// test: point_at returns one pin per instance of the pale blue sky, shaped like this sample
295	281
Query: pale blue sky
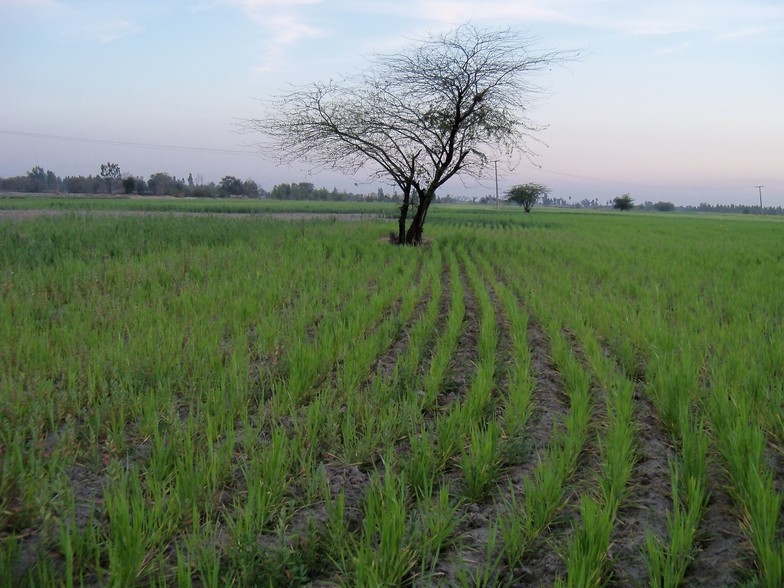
679	100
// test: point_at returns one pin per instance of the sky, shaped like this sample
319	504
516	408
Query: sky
669	100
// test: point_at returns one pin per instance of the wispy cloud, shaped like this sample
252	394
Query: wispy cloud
661	18
451	12
748	31
634	18
114	29
673	49
644	27
261	10
458	11
284	24
16	4
669	17
83	20
14	10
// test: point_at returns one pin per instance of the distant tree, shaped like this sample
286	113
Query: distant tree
304	190
526	195
37	173
36	180
281	191
190	180
141	186
250	189
162	184
53	183
129	184
230	186
623	202
77	184
448	106
111	174
202	190
664	206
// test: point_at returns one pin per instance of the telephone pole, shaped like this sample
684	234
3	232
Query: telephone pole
760	193
496	184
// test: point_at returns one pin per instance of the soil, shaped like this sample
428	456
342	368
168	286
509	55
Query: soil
722	548
723	552
649	495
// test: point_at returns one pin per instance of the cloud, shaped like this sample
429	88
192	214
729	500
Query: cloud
25	9
288	29
673	49
281	18
16	4
746	32
285	30
104	24
459	11
288	22
635	18
284	24
648	27
668	17
662	18
114	29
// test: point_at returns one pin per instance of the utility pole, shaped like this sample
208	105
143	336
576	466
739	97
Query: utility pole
760	193
496	184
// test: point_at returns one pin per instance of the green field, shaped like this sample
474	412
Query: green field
9	202
559	398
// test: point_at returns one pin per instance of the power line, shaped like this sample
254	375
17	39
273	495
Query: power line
640	185
127	143
157	146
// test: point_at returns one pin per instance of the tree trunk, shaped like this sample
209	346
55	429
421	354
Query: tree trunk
401	223
414	234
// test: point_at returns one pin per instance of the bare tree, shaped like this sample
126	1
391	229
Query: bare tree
446	107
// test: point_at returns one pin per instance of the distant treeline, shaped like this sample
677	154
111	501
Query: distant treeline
734	208
111	181
670	207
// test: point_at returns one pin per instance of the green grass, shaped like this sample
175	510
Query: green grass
194	205
213	400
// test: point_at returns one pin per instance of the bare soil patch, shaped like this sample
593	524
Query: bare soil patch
462	366
647	500
724	551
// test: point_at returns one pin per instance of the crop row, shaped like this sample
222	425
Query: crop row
211	401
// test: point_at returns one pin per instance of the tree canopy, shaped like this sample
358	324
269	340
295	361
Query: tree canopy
526	195
448	106
623	202
111	174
